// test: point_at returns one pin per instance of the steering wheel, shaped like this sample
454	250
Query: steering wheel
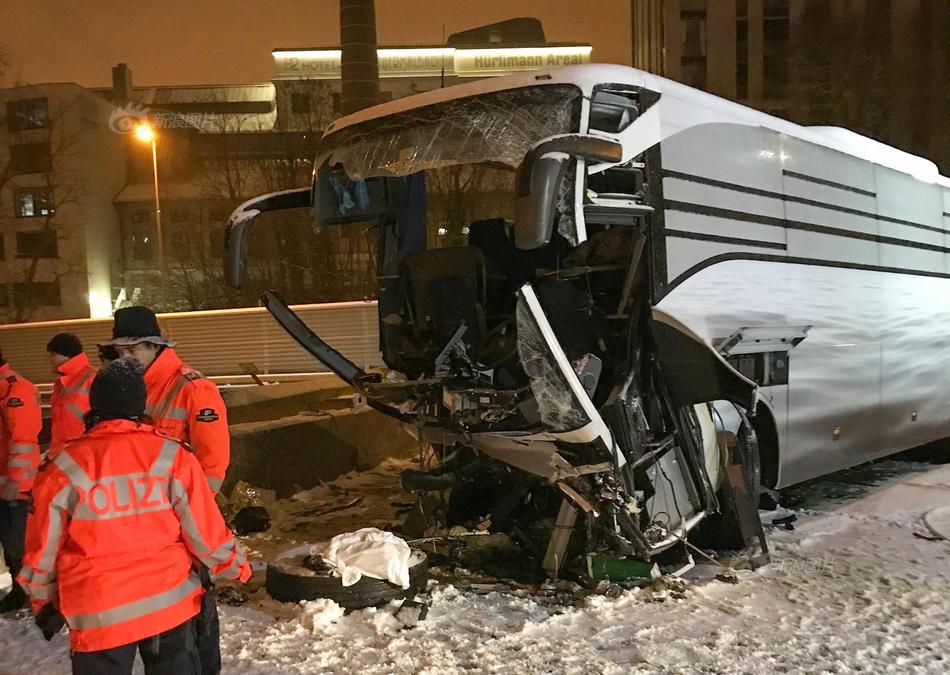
500	344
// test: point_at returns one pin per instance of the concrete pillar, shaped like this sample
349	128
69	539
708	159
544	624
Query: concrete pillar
672	39
721	48
646	35
754	21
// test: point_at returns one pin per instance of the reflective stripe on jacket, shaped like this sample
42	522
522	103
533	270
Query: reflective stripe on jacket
183	404
70	401
118	517
20	424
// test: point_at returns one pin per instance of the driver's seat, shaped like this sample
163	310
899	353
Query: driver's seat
444	287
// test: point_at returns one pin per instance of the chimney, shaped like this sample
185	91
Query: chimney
359	68
121	84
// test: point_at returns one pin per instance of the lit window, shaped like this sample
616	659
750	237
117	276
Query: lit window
33	202
31	113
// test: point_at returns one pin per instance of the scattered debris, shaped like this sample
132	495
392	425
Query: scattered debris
228	595
324	510
411	612
785	521
619	569
937	521
250	519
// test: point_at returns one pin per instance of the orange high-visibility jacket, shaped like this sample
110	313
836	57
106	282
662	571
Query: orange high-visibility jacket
183	404
118	517
20	424
70	401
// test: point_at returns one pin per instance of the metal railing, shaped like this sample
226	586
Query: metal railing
216	342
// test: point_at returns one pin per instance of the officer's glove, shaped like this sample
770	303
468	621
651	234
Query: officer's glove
50	620
11	492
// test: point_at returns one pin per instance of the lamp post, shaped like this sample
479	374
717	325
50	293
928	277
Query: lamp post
146	134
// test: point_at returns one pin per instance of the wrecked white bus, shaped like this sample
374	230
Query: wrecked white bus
653	284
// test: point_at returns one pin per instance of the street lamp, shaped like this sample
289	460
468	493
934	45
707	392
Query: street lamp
146	134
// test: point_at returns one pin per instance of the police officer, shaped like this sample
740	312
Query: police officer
69	402
120	519
185	405
20	424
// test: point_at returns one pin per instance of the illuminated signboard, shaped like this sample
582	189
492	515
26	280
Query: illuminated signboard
324	64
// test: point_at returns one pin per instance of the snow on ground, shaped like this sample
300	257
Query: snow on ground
851	589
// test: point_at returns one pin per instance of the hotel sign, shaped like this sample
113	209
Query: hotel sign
324	64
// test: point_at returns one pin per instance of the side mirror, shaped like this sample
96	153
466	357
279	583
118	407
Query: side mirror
239	224
539	179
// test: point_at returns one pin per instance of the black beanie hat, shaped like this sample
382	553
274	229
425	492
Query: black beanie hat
137	324
65	344
118	391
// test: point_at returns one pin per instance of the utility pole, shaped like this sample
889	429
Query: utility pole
358	64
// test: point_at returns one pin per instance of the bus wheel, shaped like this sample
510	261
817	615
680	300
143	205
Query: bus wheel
721	530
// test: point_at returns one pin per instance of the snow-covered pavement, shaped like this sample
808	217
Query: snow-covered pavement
850	589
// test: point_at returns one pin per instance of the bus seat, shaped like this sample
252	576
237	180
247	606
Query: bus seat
444	287
491	237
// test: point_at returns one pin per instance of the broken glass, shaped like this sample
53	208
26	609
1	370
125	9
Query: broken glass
496	128
558	408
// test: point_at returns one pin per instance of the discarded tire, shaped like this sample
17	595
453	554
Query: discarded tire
290	581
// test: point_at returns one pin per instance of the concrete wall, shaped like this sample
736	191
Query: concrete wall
299	452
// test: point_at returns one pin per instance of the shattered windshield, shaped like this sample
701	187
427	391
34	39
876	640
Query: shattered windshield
557	406
496	128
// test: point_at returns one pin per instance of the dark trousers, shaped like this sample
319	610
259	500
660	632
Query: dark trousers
209	629
13	534
174	652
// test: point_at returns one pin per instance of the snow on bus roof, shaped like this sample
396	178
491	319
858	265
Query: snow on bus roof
717	109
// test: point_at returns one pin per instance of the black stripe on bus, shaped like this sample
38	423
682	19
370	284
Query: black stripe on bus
829	183
815	262
729	214
800	200
719	239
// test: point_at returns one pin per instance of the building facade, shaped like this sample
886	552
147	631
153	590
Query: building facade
61	166
878	67
220	145
80	233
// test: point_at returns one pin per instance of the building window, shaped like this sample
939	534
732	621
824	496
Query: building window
30	113
30	158
180	245
37	293
775	55
140	216
693	62
140	243
33	202
300	103
37	244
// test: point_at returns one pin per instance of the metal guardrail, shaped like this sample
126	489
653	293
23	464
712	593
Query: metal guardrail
215	341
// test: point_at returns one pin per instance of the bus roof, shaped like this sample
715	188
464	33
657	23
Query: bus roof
587	76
